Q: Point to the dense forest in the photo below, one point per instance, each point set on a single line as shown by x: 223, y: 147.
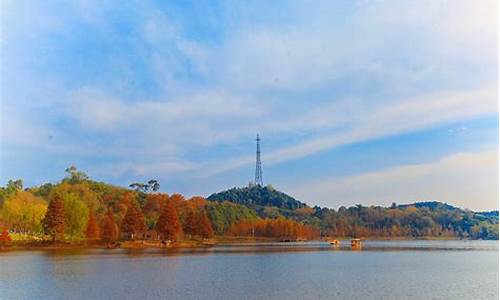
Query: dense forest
x: 423, y: 219
x: 79, y: 208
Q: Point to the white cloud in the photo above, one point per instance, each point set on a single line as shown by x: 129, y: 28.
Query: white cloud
x: 398, y: 43
x: 143, y: 170
x: 373, y: 122
x: 468, y: 180
x: 330, y: 78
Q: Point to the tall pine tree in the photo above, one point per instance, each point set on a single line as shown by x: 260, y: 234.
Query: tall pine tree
x: 168, y: 225
x: 54, y: 222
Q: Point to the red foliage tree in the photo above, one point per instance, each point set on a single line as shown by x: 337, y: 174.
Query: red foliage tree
x: 92, y: 228
x: 189, y: 226
x: 168, y: 225
x: 203, y: 225
x: 154, y: 202
x: 197, y: 202
x: 277, y: 228
x: 54, y: 223
x: 109, y: 228
x: 133, y: 223
x: 5, y: 239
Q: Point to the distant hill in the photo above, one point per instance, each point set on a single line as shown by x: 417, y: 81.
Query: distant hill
x: 432, y: 205
x: 487, y: 214
x: 256, y: 195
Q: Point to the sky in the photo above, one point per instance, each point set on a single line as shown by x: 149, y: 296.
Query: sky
x: 356, y: 102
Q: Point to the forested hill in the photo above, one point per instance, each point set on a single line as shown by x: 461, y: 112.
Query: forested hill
x: 255, y: 195
x: 83, y: 205
x: 410, y: 220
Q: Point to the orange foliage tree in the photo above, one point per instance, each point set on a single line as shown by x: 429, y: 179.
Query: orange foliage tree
x: 168, y: 225
x: 276, y: 228
x: 92, y: 228
x: 189, y: 225
x: 154, y: 202
x: 133, y: 223
x: 109, y: 228
x: 203, y: 225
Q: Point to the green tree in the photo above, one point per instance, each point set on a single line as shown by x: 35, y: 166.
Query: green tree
x: 76, y: 215
x: 12, y: 187
x: 75, y: 176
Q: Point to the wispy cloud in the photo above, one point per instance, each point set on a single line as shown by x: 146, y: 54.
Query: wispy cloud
x: 164, y: 89
x: 367, y: 123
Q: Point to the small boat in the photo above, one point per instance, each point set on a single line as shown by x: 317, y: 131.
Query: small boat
x: 334, y: 242
x: 356, y: 243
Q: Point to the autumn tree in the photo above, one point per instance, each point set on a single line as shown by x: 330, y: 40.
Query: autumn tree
x: 54, y: 223
x: 203, y: 225
x: 109, y: 228
x: 168, y: 225
x: 133, y: 222
x: 77, y: 198
x: 152, y: 208
x: 24, y: 212
x: 5, y: 239
x: 13, y: 186
x: 127, y: 199
x: 92, y: 228
x: 189, y: 225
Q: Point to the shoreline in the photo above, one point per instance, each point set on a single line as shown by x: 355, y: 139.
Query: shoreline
x: 28, y: 245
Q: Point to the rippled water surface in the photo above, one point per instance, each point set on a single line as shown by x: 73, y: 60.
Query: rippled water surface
x: 381, y: 270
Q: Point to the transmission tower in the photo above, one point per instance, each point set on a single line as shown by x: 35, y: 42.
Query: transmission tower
x: 258, y: 165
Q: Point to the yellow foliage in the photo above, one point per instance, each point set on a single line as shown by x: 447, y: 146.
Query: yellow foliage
x: 23, y: 212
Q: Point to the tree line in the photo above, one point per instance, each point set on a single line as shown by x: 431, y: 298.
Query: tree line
x: 79, y: 208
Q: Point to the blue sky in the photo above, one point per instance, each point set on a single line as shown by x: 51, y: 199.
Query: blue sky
x: 367, y: 102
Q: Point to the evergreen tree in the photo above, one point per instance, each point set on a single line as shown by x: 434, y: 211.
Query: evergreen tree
x: 92, y: 228
x: 109, y: 228
x: 168, y: 225
x: 133, y: 222
x: 54, y: 222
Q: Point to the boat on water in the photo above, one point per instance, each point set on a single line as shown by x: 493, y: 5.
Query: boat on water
x: 356, y: 243
x: 334, y: 242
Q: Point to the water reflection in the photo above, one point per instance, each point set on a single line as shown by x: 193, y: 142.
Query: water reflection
x: 381, y: 269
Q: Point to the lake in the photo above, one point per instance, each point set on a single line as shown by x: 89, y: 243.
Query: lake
x: 381, y: 270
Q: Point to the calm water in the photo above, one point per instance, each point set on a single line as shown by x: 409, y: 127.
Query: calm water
x: 382, y: 270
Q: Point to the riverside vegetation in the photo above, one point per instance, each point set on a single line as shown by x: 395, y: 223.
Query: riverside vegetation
x: 79, y: 210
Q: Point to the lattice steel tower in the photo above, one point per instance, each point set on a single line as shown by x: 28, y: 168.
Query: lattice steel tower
x: 258, y: 165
